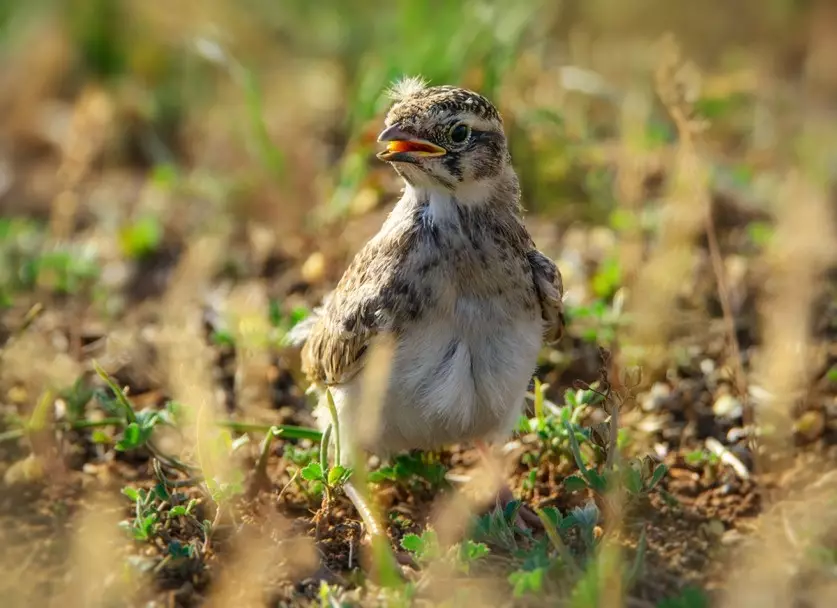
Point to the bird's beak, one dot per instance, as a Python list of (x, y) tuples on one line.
[(403, 147)]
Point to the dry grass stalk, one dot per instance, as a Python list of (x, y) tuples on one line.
[(88, 133), (264, 555), (95, 579), (248, 311), (188, 360), (802, 249), (655, 288)]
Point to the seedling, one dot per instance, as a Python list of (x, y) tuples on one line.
[(145, 522), (634, 476), (326, 478), (554, 424), (411, 470), (425, 548)]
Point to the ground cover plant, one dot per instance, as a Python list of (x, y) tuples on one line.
[(178, 188)]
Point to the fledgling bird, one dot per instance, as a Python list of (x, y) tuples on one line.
[(453, 278)]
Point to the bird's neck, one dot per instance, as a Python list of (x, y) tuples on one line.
[(501, 194)]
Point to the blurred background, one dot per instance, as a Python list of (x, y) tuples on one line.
[(182, 181)]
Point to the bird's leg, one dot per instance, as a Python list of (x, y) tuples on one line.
[(364, 509), (526, 519), (375, 531)]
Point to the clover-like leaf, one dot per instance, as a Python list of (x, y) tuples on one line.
[(412, 543), (527, 581), (313, 471), (471, 551)]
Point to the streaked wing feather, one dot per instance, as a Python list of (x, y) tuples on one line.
[(550, 289)]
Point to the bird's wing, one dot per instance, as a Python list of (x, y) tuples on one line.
[(359, 308), (336, 342), (550, 289)]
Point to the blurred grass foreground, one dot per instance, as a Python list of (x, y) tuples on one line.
[(182, 181)]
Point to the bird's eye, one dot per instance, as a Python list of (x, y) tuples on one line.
[(459, 133)]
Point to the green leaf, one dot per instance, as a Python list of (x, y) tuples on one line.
[(336, 474), (313, 472), (574, 483), (141, 238), (412, 543), (222, 337), (179, 550), (471, 551), (524, 582), (658, 474), (146, 527), (597, 481), (178, 511), (131, 493), (695, 457), (100, 437), (511, 509), (381, 475), (161, 492), (131, 438)]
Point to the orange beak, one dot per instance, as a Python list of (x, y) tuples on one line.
[(403, 147)]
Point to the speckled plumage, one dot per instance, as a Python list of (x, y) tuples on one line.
[(453, 275)]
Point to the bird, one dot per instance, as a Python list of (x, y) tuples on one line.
[(452, 281)]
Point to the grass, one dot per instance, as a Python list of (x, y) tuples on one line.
[(167, 178)]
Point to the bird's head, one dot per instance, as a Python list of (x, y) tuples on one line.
[(445, 138)]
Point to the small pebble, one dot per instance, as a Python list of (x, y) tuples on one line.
[(727, 406), (810, 425), (657, 397), (736, 434), (313, 269)]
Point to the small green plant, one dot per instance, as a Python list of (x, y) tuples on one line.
[(425, 548), (634, 476), (323, 478), (525, 582), (553, 424), (146, 518), (61, 271), (411, 470), (549, 554), (27, 262), (701, 458), (497, 528)]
